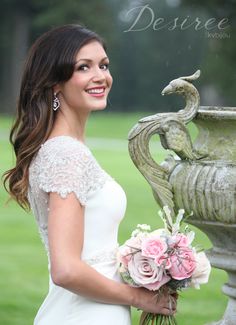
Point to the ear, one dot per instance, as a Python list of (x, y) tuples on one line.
[(56, 89)]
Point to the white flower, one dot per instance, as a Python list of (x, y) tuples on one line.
[(202, 271), (144, 227), (135, 233), (141, 230)]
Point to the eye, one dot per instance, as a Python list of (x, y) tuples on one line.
[(104, 66), (83, 67)]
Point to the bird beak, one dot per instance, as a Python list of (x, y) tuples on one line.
[(167, 90)]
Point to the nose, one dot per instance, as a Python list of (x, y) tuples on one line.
[(98, 75)]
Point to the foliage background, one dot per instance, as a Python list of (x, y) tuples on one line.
[(141, 62)]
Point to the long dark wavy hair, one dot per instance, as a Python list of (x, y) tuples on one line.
[(50, 61)]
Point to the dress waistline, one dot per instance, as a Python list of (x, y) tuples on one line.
[(103, 257)]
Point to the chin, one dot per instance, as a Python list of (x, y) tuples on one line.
[(100, 107), (95, 109)]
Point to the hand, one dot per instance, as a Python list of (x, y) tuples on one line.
[(159, 302)]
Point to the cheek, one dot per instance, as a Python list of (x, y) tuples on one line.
[(109, 80), (79, 82), (73, 90)]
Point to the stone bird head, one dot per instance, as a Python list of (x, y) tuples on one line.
[(180, 85)]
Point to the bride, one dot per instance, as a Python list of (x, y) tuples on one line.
[(76, 204)]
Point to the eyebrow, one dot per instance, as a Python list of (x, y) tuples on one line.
[(89, 60)]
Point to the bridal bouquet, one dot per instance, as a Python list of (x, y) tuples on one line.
[(163, 258)]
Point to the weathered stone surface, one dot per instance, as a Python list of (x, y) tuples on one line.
[(203, 180)]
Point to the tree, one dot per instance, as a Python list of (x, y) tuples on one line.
[(148, 58), (23, 21), (220, 65)]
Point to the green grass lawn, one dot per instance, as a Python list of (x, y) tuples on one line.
[(23, 264)]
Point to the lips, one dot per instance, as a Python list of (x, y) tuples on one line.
[(96, 91)]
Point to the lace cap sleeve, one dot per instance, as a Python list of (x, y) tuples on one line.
[(67, 165)]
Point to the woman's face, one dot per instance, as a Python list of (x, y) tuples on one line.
[(88, 88)]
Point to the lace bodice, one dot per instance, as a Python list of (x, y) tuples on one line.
[(64, 165)]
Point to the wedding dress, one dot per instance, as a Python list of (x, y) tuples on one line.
[(64, 165)]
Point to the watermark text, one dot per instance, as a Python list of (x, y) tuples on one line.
[(160, 23)]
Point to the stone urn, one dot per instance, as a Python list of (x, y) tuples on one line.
[(200, 177)]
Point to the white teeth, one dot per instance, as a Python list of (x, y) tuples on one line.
[(95, 91)]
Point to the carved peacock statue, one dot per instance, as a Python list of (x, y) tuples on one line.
[(173, 135)]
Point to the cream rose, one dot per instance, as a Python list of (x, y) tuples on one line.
[(202, 271)]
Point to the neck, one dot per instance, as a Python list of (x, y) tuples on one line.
[(192, 99), (71, 123)]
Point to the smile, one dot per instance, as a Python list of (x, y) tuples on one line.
[(98, 91)]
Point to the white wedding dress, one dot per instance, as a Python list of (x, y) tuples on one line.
[(64, 165)]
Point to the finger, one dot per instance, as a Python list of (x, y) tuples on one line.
[(172, 300), (168, 312), (165, 311)]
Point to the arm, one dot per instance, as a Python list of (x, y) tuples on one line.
[(65, 234)]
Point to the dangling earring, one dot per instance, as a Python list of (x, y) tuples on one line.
[(56, 102)]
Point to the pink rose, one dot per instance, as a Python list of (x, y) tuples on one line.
[(124, 255), (179, 240), (163, 261), (145, 272), (153, 247), (127, 250), (183, 263)]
